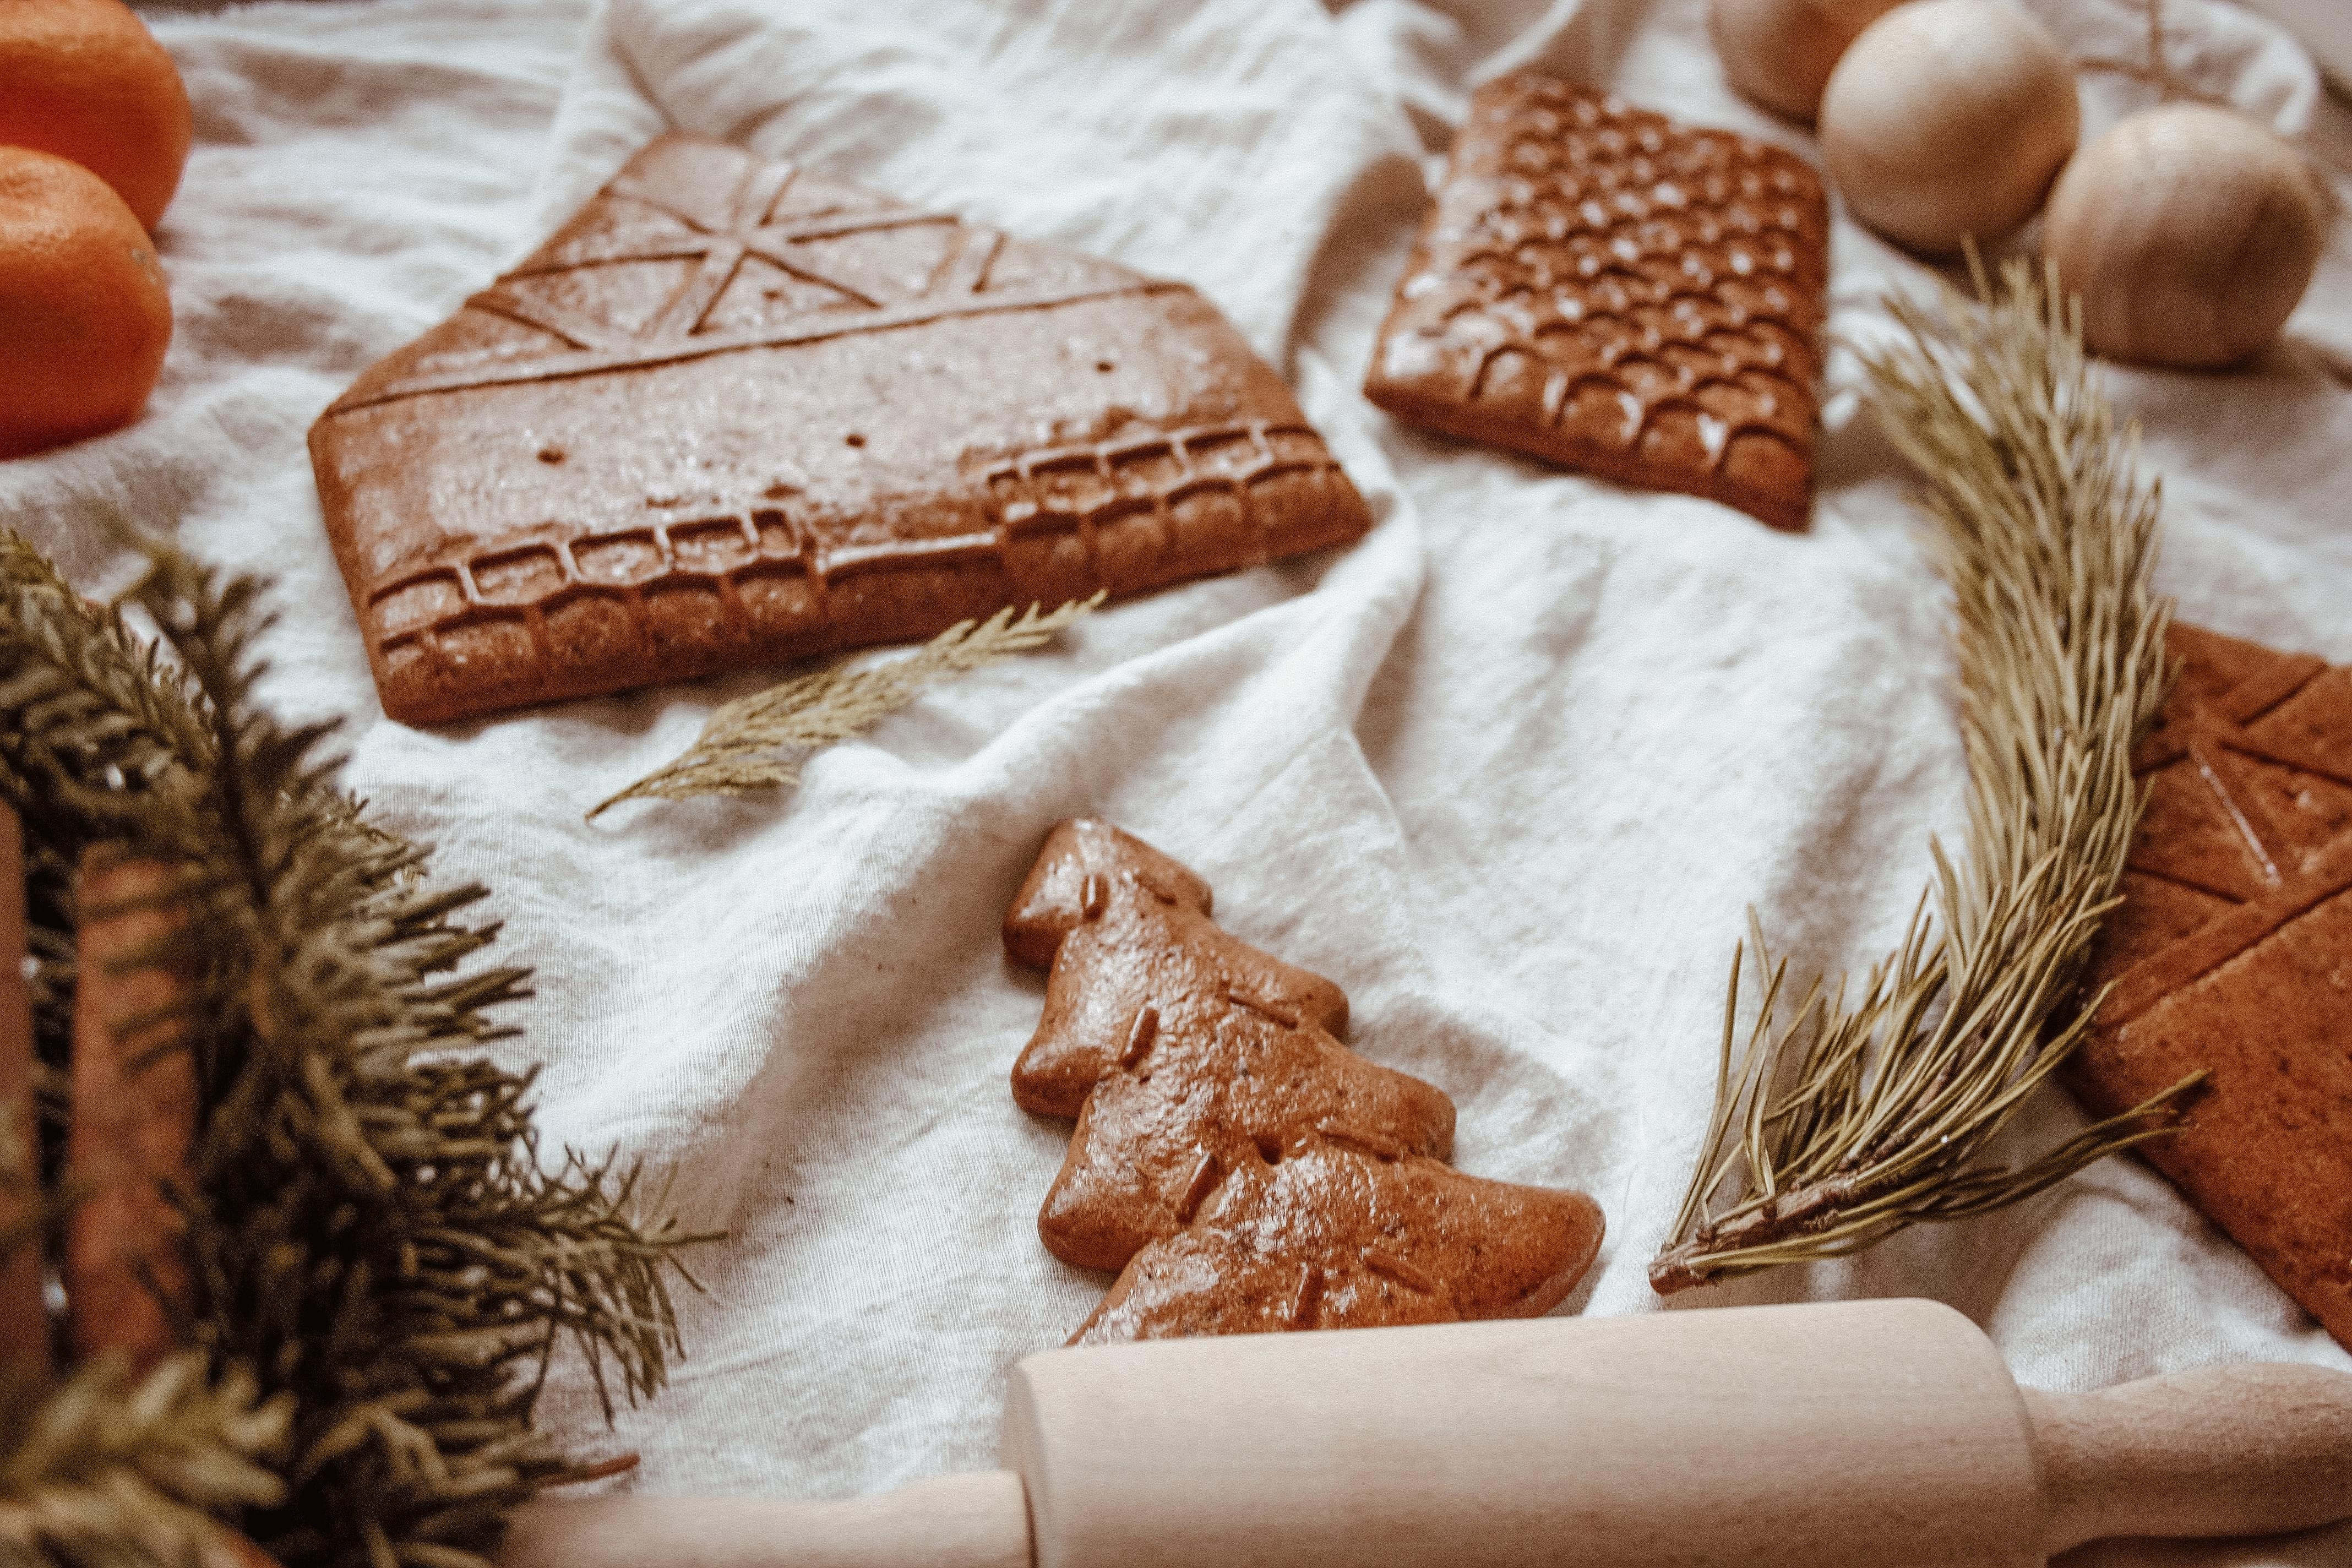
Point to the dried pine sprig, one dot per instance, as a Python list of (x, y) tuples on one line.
[(373, 1230), (758, 742), (101, 1474), (1854, 1114)]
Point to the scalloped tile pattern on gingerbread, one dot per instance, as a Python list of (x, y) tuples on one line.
[(1602, 287)]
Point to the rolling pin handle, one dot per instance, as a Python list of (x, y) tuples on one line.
[(949, 1522), (2253, 1449)]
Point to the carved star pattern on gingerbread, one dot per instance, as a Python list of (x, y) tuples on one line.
[(1602, 287), (2249, 823), (691, 256), (733, 413), (2233, 954), (1241, 1169)]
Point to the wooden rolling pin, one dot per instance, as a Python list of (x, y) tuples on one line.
[(1850, 1435)]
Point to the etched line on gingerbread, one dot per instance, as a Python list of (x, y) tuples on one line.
[(690, 306), (801, 267), (1206, 1174), (2240, 813), (642, 243), (812, 557), (1140, 1037), (772, 242), (2257, 695), (955, 549), (2221, 939), (966, 271), (1640, 413), (1200, 484), (2286, 754), (757, 193), (565, 561), (827, 566), (1262, 1008), (1093, 896), (1381, 1260), (1379, 1145), (406, 580), (1117, 452), (583, 333), (829, 324), (884, 214), (2182, 880), (1307, 1298)]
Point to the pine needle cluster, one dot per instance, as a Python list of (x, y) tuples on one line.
[(99, 1473), (758, 742), (377, 1240), (1854, 1114)]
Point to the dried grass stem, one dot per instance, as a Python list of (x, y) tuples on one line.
[(1859, 1111)]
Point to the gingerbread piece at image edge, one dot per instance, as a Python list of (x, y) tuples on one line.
[(733, 413), (1241, 1169), (2232, 955), (1599, 285)]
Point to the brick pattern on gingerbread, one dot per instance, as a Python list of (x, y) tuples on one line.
[(1241, 1169), (733, 413), (2232, 954), (1602, 287)]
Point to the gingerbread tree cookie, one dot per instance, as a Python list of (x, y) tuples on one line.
[(1242, 1169)]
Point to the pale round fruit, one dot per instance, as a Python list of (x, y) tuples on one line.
[(1946, 119), (2190, 232), (1781, 52)]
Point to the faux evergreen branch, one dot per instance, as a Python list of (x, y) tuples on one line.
[(1856, 1112), (101, 1474), (758, 742), (372, 1227)]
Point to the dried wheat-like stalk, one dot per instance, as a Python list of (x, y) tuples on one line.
[(1850, 1117), (757, 742)]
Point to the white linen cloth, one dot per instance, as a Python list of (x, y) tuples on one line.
[(1510, 770)]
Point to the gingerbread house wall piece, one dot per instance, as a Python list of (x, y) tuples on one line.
[(1602, 287), (733, 413), (2233, 954)]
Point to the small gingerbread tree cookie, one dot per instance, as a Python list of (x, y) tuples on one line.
[(1243, 1170)]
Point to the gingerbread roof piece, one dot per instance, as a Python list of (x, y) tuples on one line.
[(2231, 953), (734, 412), (1602, 287), (1241, 1168)]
